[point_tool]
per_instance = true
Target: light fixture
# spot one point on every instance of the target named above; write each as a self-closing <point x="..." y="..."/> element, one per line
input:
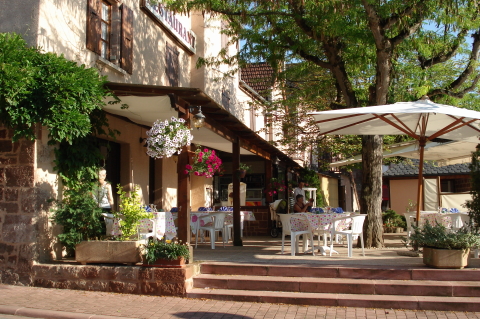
<point x="199" y="118"/>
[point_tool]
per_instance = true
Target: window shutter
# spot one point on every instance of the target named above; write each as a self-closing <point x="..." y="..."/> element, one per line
<point x="126" y="61"/>
<point x="94" y="25"/>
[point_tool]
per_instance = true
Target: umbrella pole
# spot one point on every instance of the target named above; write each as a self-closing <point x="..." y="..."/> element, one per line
<point x="422" y="143"/>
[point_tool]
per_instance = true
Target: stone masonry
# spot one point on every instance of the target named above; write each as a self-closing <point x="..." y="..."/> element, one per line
<point x="17" y="209"/>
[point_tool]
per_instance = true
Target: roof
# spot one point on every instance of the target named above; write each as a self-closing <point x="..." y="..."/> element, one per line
<point x="258" y="76"/>
<point x="407" y="169"/>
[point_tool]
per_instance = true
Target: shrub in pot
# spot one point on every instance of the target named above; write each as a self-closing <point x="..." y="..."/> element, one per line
<point x="166" y="253"/>
<point x="393" y="222"/>
<point x="443" y="247"/>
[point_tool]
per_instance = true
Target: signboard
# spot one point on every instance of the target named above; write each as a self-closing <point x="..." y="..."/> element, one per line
<point x="171" y="23"/>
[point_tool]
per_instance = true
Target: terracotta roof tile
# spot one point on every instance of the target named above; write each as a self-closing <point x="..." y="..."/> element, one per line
<point x="258" y="76"/>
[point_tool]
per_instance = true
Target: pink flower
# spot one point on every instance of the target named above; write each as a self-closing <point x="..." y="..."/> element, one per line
<point x="197" y="173"/>
<point x="186" y="172"/>
<point x="205" y="150"/>
<point x="188" y="166"/>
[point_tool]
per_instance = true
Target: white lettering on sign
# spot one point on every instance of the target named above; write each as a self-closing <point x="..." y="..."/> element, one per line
<point x="169" y="20"/>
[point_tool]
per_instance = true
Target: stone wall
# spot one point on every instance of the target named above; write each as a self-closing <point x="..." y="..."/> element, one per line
<point x="119" y="279"/>
<point x="261" y="225"/>
<point x="17" y="209"/>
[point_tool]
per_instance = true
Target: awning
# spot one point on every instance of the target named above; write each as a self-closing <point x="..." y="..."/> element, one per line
<point x="147" y="103"/>
<point x="447" y="153"/>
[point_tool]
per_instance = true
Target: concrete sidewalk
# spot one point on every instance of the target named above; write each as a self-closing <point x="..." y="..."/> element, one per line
<point x="72" y="304"/>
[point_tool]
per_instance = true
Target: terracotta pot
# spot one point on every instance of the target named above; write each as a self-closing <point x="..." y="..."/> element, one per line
<point x="445" y="258"/>
<point x="164" y="263"/>
<point x="241" y="173"/>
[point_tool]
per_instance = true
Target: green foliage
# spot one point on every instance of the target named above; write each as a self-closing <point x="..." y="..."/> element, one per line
<point x="244" y="167"/>
<point x="439" y="236"/>
<point x="44" y="88"/>
<point x="474" y="204"/>
<point x="131" y="212"/>
<point x="80" y="217"/>
<point x="392" y="219"/>
<point x="166" y="249"/>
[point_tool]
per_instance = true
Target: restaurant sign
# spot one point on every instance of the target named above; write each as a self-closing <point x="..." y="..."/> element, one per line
<point x="171" y="23"/>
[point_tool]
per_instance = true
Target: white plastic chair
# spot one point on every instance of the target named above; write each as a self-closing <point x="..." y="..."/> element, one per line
<point x="109" y="218"/>
<point x="299" y="226"/>
<point x="295" y="233"/>
<point x="356" y="230"/>
<point x="144" y="233"/>
<point x="215" y="226"/>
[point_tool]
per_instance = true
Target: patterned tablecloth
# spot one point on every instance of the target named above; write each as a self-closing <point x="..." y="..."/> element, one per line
<point x="196" y="221"/>
<point x="324" y="221"/>
<point x="443" y="219"/>
<point x="163" y="222"/>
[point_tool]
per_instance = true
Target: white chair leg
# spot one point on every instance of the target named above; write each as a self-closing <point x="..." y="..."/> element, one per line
<point x="331" y="244"/>
<point x="283" y="242"/>
<point x="196" y="238"/>
<point x="293" y="244"/>
<point x="349" y="244"/>
<point x="361" y="241"/>
<point x="212" y="239"/>
<point x="313" y="244"/>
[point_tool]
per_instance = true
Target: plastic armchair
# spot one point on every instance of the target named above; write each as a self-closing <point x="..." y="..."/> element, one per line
<point x="229" y="226"/>
<point x="356" y="230"/>
<point x="144" y="231"/>
<point x="299" y="226"/>
<point x="109" y="219"/>
<point x="215" y="226"/>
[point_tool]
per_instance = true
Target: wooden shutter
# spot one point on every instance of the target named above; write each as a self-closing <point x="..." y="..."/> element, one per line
<point x="94" y="25"/>
<point x="126" y="61"/>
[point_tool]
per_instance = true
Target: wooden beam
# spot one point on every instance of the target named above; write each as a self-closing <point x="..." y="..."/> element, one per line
<point x="237" y="239"/>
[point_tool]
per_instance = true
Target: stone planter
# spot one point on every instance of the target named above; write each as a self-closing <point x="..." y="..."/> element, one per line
<point x="111" y="252"/>
<point x="445" y="258"/>
<point x="398" y="230"/>
<point x="165" y="263"/>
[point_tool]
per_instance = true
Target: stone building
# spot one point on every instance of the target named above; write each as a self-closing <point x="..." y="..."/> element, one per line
<point x="149" y="56"/>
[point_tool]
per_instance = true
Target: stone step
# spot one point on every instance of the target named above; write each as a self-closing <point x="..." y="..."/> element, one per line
<point x="339" y="285"/>
<point x="470" y="304"/>
<point x="370" y="272"/>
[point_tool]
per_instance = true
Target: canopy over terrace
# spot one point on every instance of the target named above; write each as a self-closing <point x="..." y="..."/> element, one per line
<point x="422" y="120"/>
<point x="222" y="131"/>
<point x="444" y="153"/>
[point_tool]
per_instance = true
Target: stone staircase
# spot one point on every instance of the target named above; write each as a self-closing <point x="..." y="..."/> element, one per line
<point x="368" y="287"/>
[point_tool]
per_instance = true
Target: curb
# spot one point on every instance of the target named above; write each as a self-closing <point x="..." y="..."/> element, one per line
<point x="51" y="314"/>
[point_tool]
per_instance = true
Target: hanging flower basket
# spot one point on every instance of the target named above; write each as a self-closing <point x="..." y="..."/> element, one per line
<point x="166" y="138"/>
<point x="204" y="163"/>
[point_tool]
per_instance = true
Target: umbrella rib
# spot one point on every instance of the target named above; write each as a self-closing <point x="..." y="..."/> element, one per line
<point x="405" y="129"/>
<point x="468" y="123"/>
<point x="341" y="128"/>
<point x="453" y="126"/>
<point x="339" y="118"/>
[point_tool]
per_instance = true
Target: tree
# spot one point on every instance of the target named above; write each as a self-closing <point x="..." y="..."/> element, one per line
<point x="46" y="89"/>
<point x="374" y="52"/>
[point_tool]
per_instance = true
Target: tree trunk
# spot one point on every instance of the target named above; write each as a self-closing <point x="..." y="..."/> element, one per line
<point x="371" y="196"/>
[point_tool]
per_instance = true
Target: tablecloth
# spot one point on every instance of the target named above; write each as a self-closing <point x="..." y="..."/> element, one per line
<point x="324" y="221"/>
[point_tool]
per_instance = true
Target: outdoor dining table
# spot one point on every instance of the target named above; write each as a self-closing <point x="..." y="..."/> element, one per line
<point x="321" y="224"/>
<point x="445" y="219"/>
<point x="162" y="223"/>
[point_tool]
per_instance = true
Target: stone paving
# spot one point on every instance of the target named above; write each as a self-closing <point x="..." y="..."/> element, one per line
<point x="56" y="303"/>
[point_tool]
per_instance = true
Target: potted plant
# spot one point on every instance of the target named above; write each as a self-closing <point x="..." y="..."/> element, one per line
<point x="166" y="253"/>
<point x="393" y="222"/>
<point x="126" y="249"/>
<point x="166" y="138"/>
<point x="275" y="186"/>
<point x="442" y="247"/>
<point x="243" y="169"/>
<point x="204" y="163"/>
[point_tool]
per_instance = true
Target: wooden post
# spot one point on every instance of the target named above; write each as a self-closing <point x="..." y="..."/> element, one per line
<point x="183" y="190"/>
<point x="237" y="239"/>
<point x="268" y="177"/>
<point x="422" y="143"/>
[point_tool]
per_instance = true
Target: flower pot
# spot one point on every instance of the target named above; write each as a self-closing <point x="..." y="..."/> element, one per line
<point x="165" y="263"/>
<point x="241" y="173"/>
<point x="398" y="230"/>
<point x="108" y="252"/>
<point x="445" y="258"/>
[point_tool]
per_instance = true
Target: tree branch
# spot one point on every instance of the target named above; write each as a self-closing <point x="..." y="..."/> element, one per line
<point x="443" y="56"/>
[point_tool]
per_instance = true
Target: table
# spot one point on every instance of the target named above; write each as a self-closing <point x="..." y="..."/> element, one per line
<point x="321" y="223"/>
<point x="162" y="223"/>
<point x="448" y="220"/>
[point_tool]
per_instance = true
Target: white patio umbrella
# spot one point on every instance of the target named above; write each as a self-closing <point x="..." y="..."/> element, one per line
<point x="422" y="120"/>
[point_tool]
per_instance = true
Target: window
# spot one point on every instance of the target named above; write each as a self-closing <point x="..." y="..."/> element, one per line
<point x="110" y="32"/>
<point x="226" y="99"/>
<point x="106" y="22"/>
<point x="172" y="65"/>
